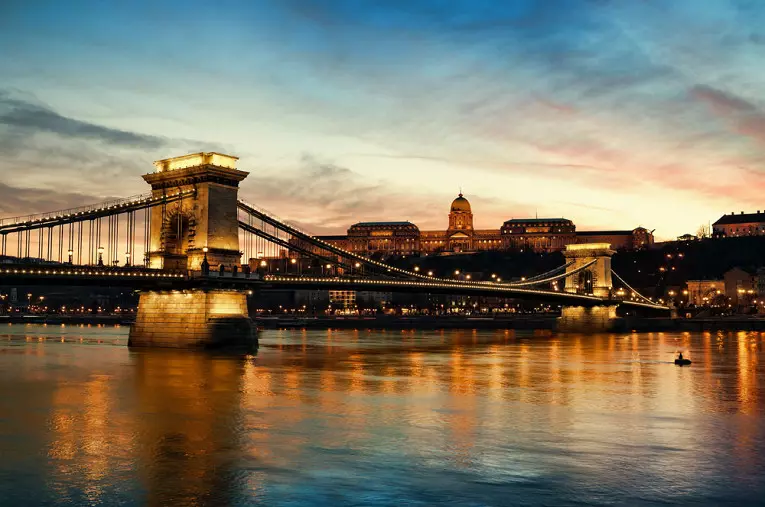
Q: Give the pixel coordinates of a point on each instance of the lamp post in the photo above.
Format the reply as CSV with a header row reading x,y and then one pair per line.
x,y
293,261
127,259
71,255
100,256
205,264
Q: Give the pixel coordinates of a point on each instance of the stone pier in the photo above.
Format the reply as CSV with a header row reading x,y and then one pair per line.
x,y
582,319
199,319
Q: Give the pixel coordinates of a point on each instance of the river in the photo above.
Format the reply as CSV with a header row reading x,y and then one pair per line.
x,y
382,418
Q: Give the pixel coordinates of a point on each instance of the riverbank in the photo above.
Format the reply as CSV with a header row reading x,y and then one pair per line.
x,y
520,322
107,320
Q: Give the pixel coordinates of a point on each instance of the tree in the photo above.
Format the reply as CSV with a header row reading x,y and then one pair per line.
x,y
703,231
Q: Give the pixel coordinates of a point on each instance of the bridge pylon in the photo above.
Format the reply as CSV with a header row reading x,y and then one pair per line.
x,y
183,234
207,219
593,280
596,279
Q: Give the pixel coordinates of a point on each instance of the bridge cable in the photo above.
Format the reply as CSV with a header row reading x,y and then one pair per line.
x,y
631,289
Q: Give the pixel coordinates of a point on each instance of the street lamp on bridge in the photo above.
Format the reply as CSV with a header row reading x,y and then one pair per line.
x,y
100,256
71,255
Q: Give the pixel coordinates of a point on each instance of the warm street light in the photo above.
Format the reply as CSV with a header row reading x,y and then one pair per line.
x,y
430,273
294,261
494,275
71,253
101,256
456,272
417,269
467,277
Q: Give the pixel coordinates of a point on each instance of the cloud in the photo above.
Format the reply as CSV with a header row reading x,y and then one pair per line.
x,y
21,200
742,116
30,117
325,198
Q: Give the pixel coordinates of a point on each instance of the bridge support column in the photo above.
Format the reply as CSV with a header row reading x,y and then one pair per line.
x,y
582,319
198,319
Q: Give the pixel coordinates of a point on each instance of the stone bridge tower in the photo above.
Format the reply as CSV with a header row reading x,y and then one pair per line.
x,y
594,280
207,218
180,230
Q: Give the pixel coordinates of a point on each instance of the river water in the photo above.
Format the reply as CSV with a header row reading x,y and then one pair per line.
x,y
382,418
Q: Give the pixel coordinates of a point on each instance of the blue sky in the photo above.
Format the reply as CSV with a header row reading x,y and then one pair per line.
x,y
611,113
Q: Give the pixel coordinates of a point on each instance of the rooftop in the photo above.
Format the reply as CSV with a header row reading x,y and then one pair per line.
x,y
741,218
368,224
196,159
604,233
536,220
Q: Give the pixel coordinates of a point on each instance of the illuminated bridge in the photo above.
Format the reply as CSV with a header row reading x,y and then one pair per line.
x,y
194,249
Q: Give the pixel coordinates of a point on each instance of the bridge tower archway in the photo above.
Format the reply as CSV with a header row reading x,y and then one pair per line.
x,y
177,238
594,279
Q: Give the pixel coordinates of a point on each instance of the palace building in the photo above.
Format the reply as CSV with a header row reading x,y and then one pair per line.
x,y
534,234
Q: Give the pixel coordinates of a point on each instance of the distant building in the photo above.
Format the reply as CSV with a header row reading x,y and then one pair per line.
x,y
740,286
743,224
533,234
538,234
620,240
386,237
700,292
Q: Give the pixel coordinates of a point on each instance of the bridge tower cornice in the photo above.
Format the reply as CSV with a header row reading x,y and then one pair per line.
x,y
195,175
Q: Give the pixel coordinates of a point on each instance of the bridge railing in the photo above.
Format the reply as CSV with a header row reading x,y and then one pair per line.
x,y
74,211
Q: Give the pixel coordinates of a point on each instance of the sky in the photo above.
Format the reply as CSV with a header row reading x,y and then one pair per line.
x,y
612,113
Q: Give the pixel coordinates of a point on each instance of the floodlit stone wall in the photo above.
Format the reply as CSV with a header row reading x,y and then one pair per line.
x,y
581,319
192,319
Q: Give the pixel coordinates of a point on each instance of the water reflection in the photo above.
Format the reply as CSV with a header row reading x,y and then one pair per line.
x,y
433,417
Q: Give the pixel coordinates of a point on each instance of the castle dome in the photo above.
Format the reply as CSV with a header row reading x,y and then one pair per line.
x,y
460,204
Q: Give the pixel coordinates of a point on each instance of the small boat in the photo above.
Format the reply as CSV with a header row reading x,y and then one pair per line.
x,y
682,362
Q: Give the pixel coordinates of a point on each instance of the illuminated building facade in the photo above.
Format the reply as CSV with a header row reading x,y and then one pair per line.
x,y
635,239
743,224
534,234
538,234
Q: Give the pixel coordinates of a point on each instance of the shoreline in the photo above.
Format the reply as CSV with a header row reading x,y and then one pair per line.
x,y
530,322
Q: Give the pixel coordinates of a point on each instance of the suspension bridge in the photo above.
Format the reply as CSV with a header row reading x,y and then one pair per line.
x,y
195,249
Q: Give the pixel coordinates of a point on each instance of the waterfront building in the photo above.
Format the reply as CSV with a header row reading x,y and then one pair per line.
x,y
520,234
743,224
700,292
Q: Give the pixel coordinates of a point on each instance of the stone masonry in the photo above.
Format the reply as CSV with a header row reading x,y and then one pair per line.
x,y
192,319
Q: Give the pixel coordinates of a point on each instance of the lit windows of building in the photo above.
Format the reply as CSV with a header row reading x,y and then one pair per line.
x,y
538,234
620,240
532,234
743,224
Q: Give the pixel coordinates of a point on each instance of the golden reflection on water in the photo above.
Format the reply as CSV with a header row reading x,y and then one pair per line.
x,y
202,419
